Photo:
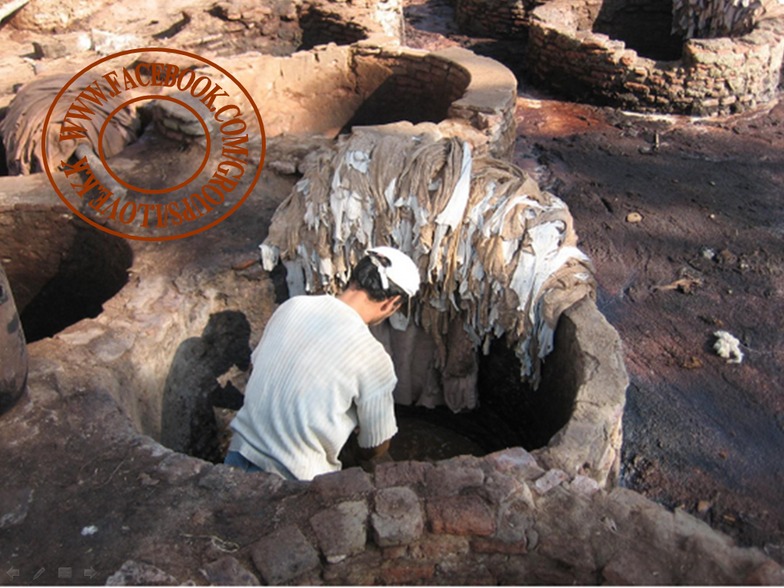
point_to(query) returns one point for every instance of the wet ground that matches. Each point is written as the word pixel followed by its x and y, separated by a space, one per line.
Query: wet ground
pixel 684 220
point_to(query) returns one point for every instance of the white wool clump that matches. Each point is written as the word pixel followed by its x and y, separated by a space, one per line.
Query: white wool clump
pixel 728 347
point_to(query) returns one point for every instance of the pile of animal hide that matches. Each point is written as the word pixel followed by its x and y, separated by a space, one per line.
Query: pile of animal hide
pixel 497 255
pixel 707 19
pixel 22 127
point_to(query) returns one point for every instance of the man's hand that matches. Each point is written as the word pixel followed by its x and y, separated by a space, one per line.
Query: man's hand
pixel 369 458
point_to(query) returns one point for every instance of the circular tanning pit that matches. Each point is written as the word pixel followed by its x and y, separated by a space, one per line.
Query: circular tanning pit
pixel 622 54
pixel 572 420
pixel 60 270
pixel 643 25
pixel 320 27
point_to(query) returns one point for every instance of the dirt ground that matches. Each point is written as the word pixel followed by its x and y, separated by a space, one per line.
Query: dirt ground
pixel 684 220
pixel 703 252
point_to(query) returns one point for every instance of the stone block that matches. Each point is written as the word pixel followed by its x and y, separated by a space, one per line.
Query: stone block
pixel 584 485
pixel 176 468
pixel 227 571
pixel 343 484
pixel 460 515
pixel 500 488
pixel 398 518
pixel 401 473
pixel 342 530
pixel 490 545
pixel 398 573
pixel 516 461
pixel 283 555
pixel 550 480
pixel 441 547
pixel 450 479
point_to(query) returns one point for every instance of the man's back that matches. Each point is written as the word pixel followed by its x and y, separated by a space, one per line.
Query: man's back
pixel 317 374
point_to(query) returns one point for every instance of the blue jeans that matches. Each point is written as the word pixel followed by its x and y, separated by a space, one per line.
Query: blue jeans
pixel 236 460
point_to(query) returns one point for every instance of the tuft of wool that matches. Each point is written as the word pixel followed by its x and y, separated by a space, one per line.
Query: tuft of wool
pixel 728 347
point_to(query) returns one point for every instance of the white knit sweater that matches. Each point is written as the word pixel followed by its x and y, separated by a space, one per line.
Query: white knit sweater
pixel 318 373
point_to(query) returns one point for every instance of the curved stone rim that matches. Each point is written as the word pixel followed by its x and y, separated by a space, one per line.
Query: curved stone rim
pixel 714 76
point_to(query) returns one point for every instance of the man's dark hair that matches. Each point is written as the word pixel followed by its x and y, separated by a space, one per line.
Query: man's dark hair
pixel 365 277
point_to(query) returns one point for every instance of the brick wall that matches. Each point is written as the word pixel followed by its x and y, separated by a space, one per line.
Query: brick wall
pixel 331 88
pixel 714 76
pixel 416 85
pixel 622 53
pixel 493 18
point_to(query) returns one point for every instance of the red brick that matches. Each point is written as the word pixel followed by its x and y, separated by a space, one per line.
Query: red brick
pixel 487 545
pixel 460 515
pixel 405 572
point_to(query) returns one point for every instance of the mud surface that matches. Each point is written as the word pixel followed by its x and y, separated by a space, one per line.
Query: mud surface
pixel 684 220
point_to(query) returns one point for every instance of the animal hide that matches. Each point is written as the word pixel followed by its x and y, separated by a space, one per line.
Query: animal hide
pixel 22 128
pixel 497 255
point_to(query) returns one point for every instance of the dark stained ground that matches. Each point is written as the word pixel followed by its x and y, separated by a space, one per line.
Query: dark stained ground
pixel 707 253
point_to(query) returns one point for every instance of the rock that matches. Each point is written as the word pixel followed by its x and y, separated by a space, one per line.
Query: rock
pixel 584 485
pixel 549 481
pixel 343 484
pixel 489 545
pixel 176 467
pixel 134 573
pixel 106 42
pixel 401 473
pixel 227 571
pixel 450 479
pixel 342 530
pixel 283 555
pixel 516 461
pixel 15 505
pixel 635 567
pixel 61 45
pixel 398 518
pixel 460 515
pixel 400 572
pixel 633 217
pixel 500 489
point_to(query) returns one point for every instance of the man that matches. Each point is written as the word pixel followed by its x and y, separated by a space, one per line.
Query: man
pixel 319 374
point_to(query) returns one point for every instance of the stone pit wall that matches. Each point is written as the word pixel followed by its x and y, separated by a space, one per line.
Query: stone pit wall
pixel 562 51
pixel 494 18
pixel 320 92
pixel 501 519
pixel 714 76
pixel 348 21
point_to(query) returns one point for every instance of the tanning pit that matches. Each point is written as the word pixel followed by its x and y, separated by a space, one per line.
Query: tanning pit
pixel 61 270
pixel 594 52
pixel 712 58
pixel 573 418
